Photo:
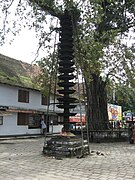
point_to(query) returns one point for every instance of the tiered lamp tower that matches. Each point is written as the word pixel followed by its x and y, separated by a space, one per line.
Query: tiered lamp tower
pixel 66 69
pixel 66 144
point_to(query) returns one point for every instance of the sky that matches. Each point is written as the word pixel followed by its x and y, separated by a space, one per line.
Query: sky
pixel 24 47
pixel 25 44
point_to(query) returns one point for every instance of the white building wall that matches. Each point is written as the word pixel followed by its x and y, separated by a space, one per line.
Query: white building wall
pixel 9 97
pixel 10 127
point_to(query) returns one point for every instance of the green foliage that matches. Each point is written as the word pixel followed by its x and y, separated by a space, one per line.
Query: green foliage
pixel 125 97
pixel 99 29
pixel 48 78
pixel 17 73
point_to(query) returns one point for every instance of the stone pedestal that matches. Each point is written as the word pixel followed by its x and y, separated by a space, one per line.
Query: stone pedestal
pixel 66 146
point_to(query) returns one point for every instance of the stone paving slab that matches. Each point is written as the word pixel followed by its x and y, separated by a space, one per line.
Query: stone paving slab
pixel 22 159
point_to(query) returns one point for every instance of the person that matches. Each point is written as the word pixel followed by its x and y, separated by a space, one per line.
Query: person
pixel 130 131
pixel 118 124
pixel 71 126
pixel 42 126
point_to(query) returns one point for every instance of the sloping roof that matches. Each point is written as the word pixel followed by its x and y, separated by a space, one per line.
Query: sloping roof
pixel 17 73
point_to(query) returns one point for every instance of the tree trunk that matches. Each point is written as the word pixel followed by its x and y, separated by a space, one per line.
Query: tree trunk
pixel 96 103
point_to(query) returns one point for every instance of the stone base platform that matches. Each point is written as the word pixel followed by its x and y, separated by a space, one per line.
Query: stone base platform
pixel 66 146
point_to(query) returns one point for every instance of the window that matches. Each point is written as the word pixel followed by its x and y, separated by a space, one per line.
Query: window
pixel 22 119
pixel 44 100
pixel 1 120
pixel 23 96
pixel 34 121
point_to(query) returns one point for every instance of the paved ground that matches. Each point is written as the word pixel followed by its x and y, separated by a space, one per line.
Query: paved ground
pixel 22 159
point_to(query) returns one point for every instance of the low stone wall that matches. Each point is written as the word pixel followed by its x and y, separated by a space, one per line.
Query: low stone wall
pixel 105 135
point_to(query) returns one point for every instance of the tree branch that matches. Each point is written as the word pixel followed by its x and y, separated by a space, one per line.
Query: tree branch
pixel 6 8
pixel 45 7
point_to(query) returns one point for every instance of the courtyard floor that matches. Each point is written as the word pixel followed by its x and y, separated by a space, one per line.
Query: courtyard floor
pixel 22 159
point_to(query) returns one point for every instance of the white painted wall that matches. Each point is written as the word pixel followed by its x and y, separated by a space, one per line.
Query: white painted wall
pixel 10 127
pixel 9 97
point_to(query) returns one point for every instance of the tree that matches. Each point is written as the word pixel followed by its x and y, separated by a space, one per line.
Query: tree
pixel 124 95
pixel 100 52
